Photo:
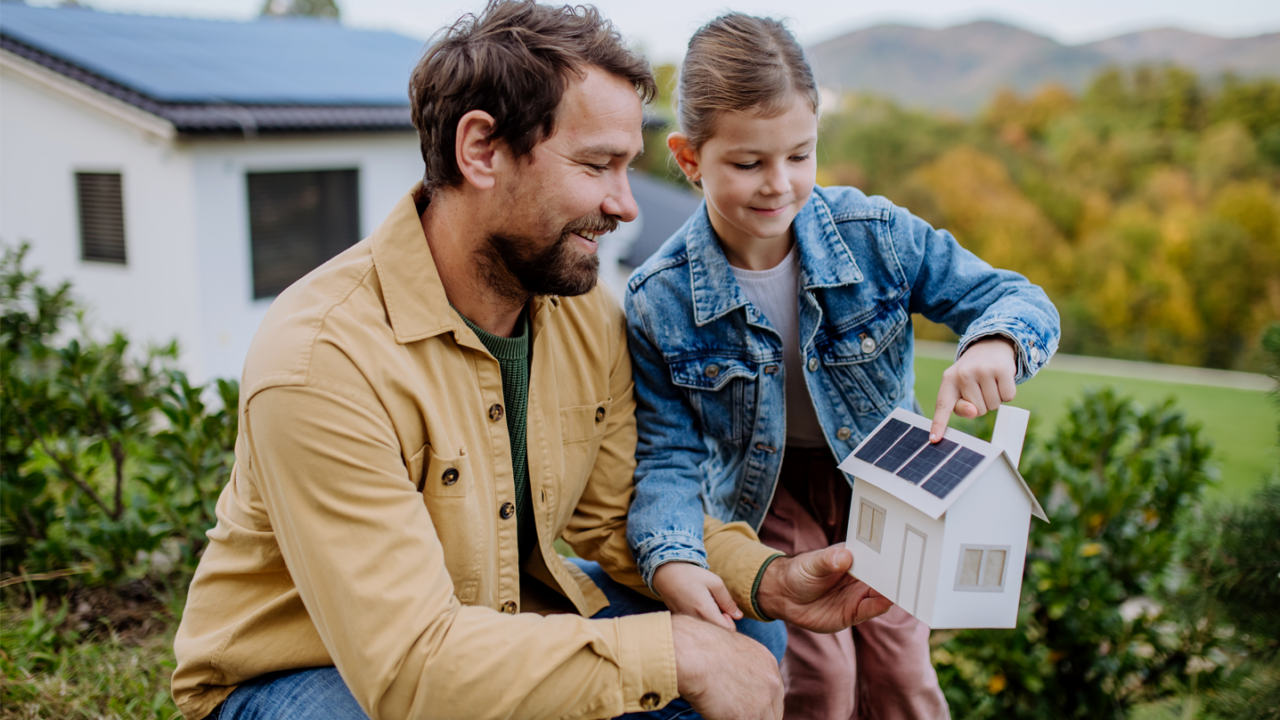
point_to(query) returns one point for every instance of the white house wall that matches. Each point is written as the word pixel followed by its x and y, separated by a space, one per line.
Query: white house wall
pixel 47 134
pixel 994 511
pixel 388 165
pixel 881 570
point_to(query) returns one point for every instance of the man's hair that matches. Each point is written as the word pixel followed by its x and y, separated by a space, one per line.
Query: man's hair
pixel 514 61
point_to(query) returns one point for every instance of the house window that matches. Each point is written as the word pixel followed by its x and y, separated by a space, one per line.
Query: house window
pixel 101 203
pixel 870 524
pixel 297 221
pixel 982 568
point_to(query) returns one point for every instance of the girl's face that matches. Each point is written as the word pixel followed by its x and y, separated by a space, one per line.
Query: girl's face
pixel 757 173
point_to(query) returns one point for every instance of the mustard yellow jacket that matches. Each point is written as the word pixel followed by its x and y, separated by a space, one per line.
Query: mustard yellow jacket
pixel 368 520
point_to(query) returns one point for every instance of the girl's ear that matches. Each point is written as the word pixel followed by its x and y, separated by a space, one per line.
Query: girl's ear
pixel 686 157
pixel 475 151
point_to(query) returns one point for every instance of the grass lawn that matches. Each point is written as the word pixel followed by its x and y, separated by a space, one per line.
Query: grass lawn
pixel 1240 423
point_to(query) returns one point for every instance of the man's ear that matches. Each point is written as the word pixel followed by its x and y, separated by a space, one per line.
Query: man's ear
pixel 475 149
pixel 686 157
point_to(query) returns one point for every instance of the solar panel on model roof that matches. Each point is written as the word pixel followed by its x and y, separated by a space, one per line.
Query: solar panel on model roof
pixel 905 451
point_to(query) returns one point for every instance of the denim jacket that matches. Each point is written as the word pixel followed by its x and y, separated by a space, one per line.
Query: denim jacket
pixel 708 365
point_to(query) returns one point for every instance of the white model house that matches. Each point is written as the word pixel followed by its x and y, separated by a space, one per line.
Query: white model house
pixel 941 529
pixel 181 172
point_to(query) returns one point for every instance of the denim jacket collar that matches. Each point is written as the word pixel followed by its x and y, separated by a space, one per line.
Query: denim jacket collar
pixel 825 261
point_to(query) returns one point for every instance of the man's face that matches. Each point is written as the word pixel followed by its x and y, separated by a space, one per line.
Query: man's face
pixel 556 202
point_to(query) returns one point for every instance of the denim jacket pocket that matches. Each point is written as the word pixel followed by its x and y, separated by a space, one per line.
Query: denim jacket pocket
pixel 865 360
pixel 721 391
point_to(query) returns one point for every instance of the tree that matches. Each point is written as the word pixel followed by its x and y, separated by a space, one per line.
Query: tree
pixel 301 8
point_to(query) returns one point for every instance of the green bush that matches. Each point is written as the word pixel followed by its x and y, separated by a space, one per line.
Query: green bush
pixel 111 458
pixel 1116 481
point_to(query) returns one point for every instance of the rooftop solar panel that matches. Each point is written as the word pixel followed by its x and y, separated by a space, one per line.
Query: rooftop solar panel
pixel 928 459
pixel 302 61
pixel 902 451
pixel 872 449
pixel 953 473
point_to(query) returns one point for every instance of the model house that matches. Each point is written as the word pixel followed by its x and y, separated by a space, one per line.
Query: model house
pixel 182 172
pixel 941 529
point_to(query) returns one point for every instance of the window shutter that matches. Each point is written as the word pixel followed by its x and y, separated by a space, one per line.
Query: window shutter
pixel 101 202
pixel 297 221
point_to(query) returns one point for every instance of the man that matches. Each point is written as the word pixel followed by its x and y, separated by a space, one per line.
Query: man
pixel 423 416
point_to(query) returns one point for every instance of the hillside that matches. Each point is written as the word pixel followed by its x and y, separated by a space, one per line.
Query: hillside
pixel 959 68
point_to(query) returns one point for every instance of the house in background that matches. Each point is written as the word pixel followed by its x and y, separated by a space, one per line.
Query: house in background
pixel 182 172
pixel 941 529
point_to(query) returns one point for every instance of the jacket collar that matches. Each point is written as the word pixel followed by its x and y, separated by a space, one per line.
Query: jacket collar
pixel 825 260
pixel 411 289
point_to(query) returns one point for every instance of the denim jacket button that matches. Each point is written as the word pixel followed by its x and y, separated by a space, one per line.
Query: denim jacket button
pixel 1035 355
pixel 712 371
pixel 844 433
pixel 868 345
pixel 813 364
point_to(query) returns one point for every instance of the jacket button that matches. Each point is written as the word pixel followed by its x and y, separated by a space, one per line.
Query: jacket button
pixel 1035 355
pixel 507 510
pixel 599 414
pixel 868 345
pixel 495 412
pixel 509 607
pixel 450 476
pixel 813 364
pixel 712 371
pixel 650 700
pixel 844 433
pixel 770 369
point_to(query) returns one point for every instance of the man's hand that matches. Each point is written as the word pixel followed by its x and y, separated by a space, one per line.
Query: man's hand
pixel 725 675
pixel 690 590
pixel 816 592
pixel 979 381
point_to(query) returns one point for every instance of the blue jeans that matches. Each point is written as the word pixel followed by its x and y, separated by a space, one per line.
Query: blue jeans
pixel 320 693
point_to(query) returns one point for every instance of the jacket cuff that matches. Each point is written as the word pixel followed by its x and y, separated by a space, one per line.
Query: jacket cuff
pixel 1033 352
pixel 659 550
pixel 738 558
pixel 647 656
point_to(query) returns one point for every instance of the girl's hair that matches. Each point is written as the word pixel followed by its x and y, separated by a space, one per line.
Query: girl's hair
pixel 743 64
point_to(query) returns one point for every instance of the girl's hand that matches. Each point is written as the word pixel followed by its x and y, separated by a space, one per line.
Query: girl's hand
pixel 689 590
pixel 979 381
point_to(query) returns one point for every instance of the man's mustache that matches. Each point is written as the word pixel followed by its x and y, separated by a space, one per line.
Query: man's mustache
pixel 597 224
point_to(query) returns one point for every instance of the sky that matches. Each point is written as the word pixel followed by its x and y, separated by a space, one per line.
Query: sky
pixel 661 27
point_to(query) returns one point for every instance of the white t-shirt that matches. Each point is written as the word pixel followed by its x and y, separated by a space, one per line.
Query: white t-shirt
pixel 776 293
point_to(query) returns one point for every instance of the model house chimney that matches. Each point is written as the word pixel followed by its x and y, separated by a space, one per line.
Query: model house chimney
pixel 1011 430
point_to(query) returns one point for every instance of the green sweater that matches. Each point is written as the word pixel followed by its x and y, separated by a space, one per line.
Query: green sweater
pixel 513 355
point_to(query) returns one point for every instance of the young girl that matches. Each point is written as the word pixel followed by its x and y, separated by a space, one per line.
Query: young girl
pixel 772 333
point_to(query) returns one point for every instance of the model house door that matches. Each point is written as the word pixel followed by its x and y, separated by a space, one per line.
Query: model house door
pixel 912 569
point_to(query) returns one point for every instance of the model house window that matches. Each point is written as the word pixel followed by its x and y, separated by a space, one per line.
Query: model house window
pixel 982 568
pixel 101 205
pixel 297 221
pixel 870 523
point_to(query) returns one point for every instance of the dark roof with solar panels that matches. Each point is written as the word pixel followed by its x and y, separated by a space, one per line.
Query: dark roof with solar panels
pixel 898 458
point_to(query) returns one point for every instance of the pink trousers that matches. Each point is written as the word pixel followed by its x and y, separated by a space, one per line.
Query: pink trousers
pixel 879 670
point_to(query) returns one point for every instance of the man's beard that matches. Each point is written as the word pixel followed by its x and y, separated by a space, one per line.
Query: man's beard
pixel 516 269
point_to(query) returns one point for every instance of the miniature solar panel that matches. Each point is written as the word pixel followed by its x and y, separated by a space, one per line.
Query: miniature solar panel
pixel 302 61
pixel 903 449
pixel 953 473
pixel 872 449
pixel 928 459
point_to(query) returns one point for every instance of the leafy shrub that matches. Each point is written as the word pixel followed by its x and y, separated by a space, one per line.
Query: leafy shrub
pixel 111 458
pixel 1116 480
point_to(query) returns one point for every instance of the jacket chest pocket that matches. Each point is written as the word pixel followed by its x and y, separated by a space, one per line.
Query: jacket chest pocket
pixel 581 431
pixel 722 392
pixel 448 491
pixel 865 361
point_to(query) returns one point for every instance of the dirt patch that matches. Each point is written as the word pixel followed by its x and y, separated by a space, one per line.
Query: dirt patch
pixel 131 611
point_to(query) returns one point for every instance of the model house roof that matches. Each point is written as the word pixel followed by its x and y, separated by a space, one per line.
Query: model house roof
pixel 210 76
pixel 899 459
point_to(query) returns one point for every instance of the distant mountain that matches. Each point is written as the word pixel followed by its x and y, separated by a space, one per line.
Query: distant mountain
pixel 959 68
